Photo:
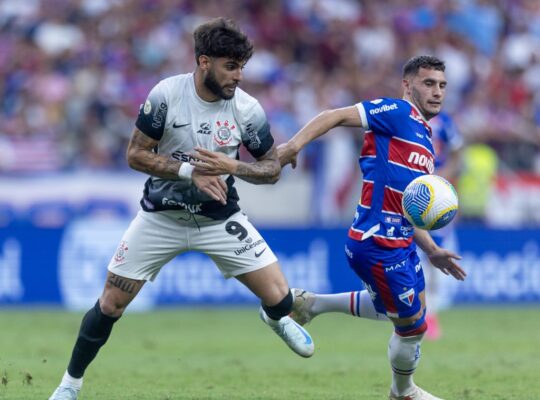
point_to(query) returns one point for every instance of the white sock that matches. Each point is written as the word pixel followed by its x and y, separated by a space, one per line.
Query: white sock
pixel 68 380
pixel 352 303
pixel 337 302
pixel 404 356
pixel 367 308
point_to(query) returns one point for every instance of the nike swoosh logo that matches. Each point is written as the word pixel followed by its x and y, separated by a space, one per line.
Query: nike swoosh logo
pixel 303 331
pixel 180 125
pixel 259 254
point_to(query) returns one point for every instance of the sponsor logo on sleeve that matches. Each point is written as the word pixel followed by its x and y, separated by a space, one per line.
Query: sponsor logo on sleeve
pixel 159 116
pixel 254 140
pixel 383 108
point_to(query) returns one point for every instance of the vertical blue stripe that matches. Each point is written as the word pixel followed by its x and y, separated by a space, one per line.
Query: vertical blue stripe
pixel 357 304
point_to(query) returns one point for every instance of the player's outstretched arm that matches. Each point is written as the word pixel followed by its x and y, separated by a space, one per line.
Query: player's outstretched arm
pixel 440 258
pixel 265 170
pixel 318 126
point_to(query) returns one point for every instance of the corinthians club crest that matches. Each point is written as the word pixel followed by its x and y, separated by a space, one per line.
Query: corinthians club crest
pixel 223 135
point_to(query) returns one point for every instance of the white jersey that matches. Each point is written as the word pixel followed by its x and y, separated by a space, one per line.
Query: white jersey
pixel 176 116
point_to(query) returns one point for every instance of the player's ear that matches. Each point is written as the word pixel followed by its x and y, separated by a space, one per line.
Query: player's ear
pixel 406 85
pixel 204 62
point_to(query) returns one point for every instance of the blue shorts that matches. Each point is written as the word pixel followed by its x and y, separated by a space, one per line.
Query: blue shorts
pixel 393 277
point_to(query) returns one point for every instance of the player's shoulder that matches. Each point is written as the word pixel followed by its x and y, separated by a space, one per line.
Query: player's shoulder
pixel 243 100
pixel 174 84
pixel 386 105
pixel 246 106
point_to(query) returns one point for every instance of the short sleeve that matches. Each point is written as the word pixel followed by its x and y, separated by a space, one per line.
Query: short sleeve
pixel 256 135
pixel 381 116
pixel 153 113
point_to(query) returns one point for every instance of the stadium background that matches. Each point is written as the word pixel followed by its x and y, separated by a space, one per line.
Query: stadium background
pixel 75 72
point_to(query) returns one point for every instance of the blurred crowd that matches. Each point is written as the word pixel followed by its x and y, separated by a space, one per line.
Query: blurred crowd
pixel 74 72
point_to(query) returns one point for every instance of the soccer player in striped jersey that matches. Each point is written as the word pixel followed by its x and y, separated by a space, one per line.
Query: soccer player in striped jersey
pixel 397 148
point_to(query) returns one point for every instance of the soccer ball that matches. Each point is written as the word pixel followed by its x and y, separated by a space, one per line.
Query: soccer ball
pixel 429 202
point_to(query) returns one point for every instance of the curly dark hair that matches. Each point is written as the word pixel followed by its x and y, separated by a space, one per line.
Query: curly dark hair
pixel 222 37
pixel 412 66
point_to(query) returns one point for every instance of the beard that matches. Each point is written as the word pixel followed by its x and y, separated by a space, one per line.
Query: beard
pixel 417 100
pixel 213 85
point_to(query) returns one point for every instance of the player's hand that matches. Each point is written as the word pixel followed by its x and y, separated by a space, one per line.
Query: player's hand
pixel 287 155
pixel 213 162
pixel 445 261
pixel 213 186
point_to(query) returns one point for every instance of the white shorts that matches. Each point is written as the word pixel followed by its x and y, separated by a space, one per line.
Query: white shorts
pixel 155 238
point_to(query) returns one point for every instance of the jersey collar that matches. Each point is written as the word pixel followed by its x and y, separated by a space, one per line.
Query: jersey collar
pixel 417 115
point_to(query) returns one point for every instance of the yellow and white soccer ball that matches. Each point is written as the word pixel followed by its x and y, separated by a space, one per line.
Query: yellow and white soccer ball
pixel 430 202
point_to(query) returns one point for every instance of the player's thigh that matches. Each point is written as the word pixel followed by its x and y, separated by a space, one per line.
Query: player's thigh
pixel 151 240
pixel 394 287
pixel 236 247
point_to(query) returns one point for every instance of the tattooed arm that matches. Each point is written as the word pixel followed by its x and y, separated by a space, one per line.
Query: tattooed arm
pixel 141 157
pixel 265 170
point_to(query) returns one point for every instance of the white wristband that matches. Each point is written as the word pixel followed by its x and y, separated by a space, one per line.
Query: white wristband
pixel 185 171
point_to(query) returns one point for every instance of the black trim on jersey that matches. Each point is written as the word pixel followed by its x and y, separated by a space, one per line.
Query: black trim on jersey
pixel 258 142
pixel 153 123
pixel 211 209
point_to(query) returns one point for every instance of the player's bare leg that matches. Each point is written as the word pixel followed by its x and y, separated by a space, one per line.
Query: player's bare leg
pixel 270 285
pixel 95 329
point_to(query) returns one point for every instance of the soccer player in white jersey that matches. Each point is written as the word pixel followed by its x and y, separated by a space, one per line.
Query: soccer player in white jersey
pixel 187 137
pixel 381 243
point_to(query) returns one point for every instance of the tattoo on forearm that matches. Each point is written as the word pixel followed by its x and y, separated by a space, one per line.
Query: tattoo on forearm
pixel 264 170
pixel 161 166
pixel 121 283
pixel 144 159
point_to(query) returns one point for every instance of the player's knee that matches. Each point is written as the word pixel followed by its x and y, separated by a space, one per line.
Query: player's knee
pixel 413 326
pixel 111 307
pixel 281 309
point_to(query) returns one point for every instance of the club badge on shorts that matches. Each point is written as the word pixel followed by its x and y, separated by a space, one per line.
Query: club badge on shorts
pixel 121 252
pixel 407 297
